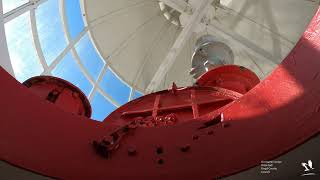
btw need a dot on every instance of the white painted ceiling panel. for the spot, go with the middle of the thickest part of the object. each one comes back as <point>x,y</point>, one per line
<point>137,37</point>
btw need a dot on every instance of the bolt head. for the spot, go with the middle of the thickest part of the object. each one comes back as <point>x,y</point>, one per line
<point>185,148</point>
<point>160,161</point>
<point>159,150</point>
<point>195,137</point>
<point>132,151</point>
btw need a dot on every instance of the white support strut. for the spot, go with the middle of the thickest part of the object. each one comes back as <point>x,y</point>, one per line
<point>179,5</point>
<point>173,53</point>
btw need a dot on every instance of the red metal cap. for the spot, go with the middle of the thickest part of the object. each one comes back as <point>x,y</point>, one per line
<point>232,77</point>
<point>60,92</point>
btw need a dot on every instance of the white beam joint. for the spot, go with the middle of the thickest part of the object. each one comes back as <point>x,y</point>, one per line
<point>65,52</point>
<point>21,10</point>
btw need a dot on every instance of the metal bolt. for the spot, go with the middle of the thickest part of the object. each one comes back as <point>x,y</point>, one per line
<point>174,88</point>
<point>159,150</point>
<point>132,151</point>
<point>185,148</point>
<point>160,161</point>
<point>195,137</point>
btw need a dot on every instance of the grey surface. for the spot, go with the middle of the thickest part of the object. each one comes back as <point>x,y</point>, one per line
<point>9,172</point>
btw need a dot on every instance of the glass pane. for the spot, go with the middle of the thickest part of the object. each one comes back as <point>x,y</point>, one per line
<point>74,17</point>
<point>136,94</point>
<point>113,86</point>
<point>89,57</point>
<point>101,107</point>
<point>9,5</point>
<point>21,48</point>
<point>50,30</point>
<point>69,70</point>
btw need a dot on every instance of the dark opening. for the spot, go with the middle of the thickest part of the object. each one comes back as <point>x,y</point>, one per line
<point>53,96</point>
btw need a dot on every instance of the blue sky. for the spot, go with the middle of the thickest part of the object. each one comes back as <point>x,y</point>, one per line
<point>50,30</point>
<point>9,5</point>
<point>116,89</point>
<point>26,63</point>
<point>74,17</point>
<point>89,56</point>
<point>21,49</point>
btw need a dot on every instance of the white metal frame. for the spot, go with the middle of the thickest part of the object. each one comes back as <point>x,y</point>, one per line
<point>31,6</point>
<point>102,19</point>
<point>5,59</point>
<point>173,53</point>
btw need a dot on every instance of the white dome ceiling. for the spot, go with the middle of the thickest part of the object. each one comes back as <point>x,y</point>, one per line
<point>135,37</point>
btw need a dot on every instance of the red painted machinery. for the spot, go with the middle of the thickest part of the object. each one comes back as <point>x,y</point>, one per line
<point>207,131</point>
<point>214,90</point>
<point>60,92</point>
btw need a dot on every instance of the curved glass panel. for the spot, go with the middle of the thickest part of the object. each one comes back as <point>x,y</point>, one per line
<point>89,56</point>
<point>74,17</point>
<point>101,107</point>
<point>8,5</point>
<point>50,30</point>
<point>23,55</point>
<point>69,70</point>
<point>113,86</point>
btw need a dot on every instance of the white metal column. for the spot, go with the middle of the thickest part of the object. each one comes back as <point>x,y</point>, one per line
<point>179,5</point>
<point>5,59</point>
<point>178,45</point>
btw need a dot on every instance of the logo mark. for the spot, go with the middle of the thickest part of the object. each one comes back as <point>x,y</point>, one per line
<point>308,168</point>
